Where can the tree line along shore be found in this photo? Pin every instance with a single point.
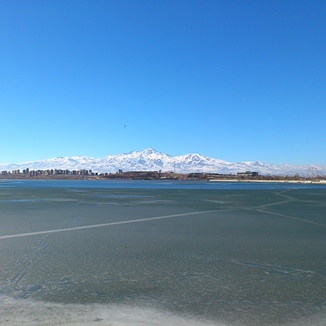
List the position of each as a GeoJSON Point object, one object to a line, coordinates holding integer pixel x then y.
{"type": "Point", "coordinates": [153, 175]}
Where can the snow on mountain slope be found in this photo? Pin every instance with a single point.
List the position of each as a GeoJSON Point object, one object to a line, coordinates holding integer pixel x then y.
{"type": "Point", "coordinates": [152, 160]}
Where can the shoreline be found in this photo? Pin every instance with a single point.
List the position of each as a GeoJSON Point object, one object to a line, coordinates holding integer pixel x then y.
{"type": "Point", "coordinates": [158, 175]}
{"type": "Point", "coordinates": [176, 178]}
{"type": "Point", "coordinates": [271, 181]}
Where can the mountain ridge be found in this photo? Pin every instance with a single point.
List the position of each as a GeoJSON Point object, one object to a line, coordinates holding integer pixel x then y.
{"type": "Point", "coordinates": [151, 160]}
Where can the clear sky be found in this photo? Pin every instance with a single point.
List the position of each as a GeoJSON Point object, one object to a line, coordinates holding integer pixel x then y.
{"type": "Point", "coordinates": [237, 80]}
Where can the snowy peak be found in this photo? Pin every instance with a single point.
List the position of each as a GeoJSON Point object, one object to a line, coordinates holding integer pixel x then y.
{"type": "Point", "coordinates": [150, 151]}
{"type": "Point", "coordinates": [151, 160]}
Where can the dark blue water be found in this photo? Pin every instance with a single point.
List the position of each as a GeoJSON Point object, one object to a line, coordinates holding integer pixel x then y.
{"type": "Point", "coordinates": [149, 184]}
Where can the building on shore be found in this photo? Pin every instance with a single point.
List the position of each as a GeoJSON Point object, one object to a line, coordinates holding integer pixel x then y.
{"type": "Point", "coordinates": [247, 174]}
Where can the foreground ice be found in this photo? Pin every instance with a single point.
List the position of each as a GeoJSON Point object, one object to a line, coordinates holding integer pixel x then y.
{"type": "Point", "coordinates": [31, 312]}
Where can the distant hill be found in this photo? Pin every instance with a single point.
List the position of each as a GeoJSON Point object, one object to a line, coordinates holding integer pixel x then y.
{"type": "Point", "coordinates": [152, 160]}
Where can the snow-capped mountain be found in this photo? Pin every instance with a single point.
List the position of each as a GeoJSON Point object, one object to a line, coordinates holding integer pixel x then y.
{"type": "Point", "coordinates": [152, 160]}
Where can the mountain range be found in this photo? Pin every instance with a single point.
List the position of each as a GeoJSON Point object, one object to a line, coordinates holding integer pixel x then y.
{"type": "Point", "coordinates": [152, 160]}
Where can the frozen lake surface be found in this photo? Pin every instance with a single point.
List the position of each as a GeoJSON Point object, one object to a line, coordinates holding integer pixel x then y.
{"type": "Point", "coordinates": [162, 253]}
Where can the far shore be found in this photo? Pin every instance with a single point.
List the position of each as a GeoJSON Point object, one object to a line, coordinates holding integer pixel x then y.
{"type": "Point", "coordinates": [271, 181]}
{"type": "Point", "coordinates": [158, 175]}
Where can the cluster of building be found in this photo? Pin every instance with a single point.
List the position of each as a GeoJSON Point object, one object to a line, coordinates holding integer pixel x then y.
{"type": "Point", "coordinates": [135, 175]}
{"type": "Point", "coordinates": [33, 173]}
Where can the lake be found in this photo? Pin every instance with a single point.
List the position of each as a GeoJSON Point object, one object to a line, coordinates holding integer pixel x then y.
{"type": "Point", "coordinates": [162, 253]}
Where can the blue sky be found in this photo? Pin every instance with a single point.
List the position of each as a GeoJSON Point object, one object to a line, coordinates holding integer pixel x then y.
{"type": "Point", "coordinates": [235, 80]}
